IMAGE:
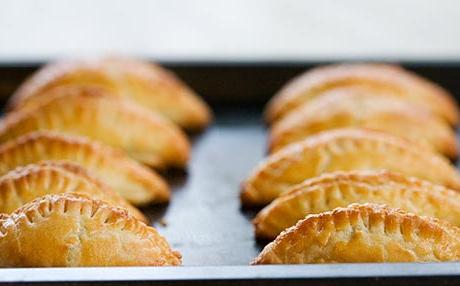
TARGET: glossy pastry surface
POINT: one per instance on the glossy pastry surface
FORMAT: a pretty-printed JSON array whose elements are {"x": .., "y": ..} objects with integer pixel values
[
  {"x": 134, "y": 182},
  {"x": 355, "y": 107},
  {"x": 340, "y": 189},
  {"x": 375, "y": 77},
  {"x": 364, "y": 233},
  {"x": 344, "y": 150},
  {"x": 72, "y": 230},
  {"x": 91, "y": 112},
  {"x": 27, "y": 183},
  {"x": 147, "y": 84}
]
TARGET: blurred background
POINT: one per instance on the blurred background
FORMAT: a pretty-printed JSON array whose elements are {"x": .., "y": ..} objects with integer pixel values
[
  {"x": 210, "y": 30},
  {"x": 230, "y": 51}
]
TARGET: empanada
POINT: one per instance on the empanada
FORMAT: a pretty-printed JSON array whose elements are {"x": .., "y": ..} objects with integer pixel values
[
  {"x": 27, "y": 183},
  {"x": 354, "y": 107},
  {"x": 364, "y": 233},
  {"x": 131, "y": 180},
  {"x": 89, "y": 111},
  {"x": 344, "y": 150},
  {"x": 375, "y": 77},
  {"x": 72, "y": 230},
  {"x": 147, "y": 84},
  {"x": 340, "y": 189}
]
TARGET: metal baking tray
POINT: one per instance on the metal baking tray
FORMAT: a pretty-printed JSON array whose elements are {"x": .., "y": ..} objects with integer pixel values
[{"x": 204, "y": 220}]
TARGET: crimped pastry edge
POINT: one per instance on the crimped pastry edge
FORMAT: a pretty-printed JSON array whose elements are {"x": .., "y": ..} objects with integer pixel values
[
  {"x": 67, "y": 169},
  {"x": 431, "y": 226},
  {"x": 81, "y": 97},
  {"x": 275, "y": 108},
  {"x": 399, "y": 107},
  {"x": 116, "y": 217},
  {"x": 137, "y": 172},
  {"x": 323, "y": 139},
  {"x": 371, "y": 178},
  {"x": 197, "y": 119}
]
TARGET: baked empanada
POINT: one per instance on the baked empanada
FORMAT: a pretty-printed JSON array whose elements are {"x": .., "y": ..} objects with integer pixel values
[
  {"x": 364, "y": 233},
  {"x": 344, "y": 150},
  {"x": 72, "y": 230},
  {"x": 27, "y": 183},
  {"x": 147, "y": 84},
  {"x": 354, "y": 107},
  {"x": 89, "y": 111},
  {"x": 131, "y": 180},
  {"x": 340, "y": 189},
  {"x": 375, "y": 77}
]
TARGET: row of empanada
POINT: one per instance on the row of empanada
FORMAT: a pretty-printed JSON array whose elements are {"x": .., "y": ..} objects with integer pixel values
[
  {"x": 55, "y": 213},
  {"x": 76, "y": 129},
  {"x": 374, "y": 96},
  {"x": 115, "y": 101},
  {"x": 125, "y": 104},
  {"x": 351, "y": 145}
]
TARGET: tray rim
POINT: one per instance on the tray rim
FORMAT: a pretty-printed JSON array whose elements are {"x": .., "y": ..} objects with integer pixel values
[{"x": 234, "y": 272}]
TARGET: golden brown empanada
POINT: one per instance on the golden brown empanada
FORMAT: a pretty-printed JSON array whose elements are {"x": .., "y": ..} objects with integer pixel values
[
  {"x": 131, "y": 180},
  {"x": 354, "y": 107},
  {"x": 364, "y": 233},
  {"x": 147, "y": 84},
  {"x": 344, "y": 150},
  {"x": 27, "y": 183},
  {"x": 340, "y": 189},
  {"x": 89, "y": 111},
  {"x": 73, "y": 230},
  {"x": 375, "y": 77}
]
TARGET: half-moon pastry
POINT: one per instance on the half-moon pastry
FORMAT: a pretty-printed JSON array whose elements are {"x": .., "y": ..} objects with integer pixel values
[
  {"x": 72, "y": 230},
  {"x": 375, "y": 77},
  {"x": 353, "y": 107},
  {"x": 364, "y": 233},
  {"x": 340, "y": 189},
  {"x": 344, "y": 150},
  {"x": 89, "y": 111},
  {"x": 147, "y": 84},
  {"x": 131, "y": 180},
  {"x": 27, "y": 183}
]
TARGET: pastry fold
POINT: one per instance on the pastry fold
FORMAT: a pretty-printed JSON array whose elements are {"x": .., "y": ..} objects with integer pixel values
[
  {"x": 71, "y": 230},
  {"x": 340, "y": 189},
  {"x": 364, "y": 233},
  {"x": 147, "y": 84},
  {"x": 134, "y": 182},
  {"x": 344, "y": 150},
  {"x": 375, "y": 77},
  {"x": 90, "y": 112},
  {"x": 27, "y": 183},
  {"x": 355, "y": 107}
]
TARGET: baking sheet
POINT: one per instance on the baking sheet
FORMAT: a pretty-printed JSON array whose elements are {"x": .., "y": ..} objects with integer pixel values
[{"x": 204, "y": 220}]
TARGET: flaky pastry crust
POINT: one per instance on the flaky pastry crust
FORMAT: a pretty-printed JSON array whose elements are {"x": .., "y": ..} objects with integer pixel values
[
  {"x": 340, "y": 189},
  {"x": 72, "y": 230},
  {"x": 27, "y": 183},
  {"x": 344, "y": 150},
  {"x": 364, "y": 233},
  {"x": 355, "y": 107},
  {"x": 376, "y": 77},
  {"x": 147, "y": 84},
  {"x": 91, "y": 112},
  {"x": 131, "y": 180}
]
